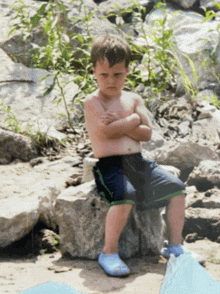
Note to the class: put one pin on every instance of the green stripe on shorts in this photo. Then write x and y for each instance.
(167, 197)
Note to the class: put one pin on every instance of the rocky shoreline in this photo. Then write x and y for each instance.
(35, 180)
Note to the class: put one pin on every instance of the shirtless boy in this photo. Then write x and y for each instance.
(117, 121)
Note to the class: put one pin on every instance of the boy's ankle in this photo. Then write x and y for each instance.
(108, 252)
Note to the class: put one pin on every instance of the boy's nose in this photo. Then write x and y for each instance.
(111, 80)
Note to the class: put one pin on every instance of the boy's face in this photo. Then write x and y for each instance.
(110, 79)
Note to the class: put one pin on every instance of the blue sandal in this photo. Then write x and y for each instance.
(113, 265)
(176, 250)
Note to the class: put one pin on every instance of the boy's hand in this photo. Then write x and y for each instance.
(109, 117)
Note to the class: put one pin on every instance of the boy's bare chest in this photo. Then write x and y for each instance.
(122, 107)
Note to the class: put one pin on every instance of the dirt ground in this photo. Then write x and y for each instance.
(87, 277)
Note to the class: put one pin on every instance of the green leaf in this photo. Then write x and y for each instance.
(59, 100)
(195, 76)
(204, 62)
(35, 20)
(12, 30)
(49, 89)
(62, 7)
(41, 10)
(80, 39)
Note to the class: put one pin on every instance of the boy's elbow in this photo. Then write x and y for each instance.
(148, 134)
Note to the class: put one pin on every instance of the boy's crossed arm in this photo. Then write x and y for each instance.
(108, 124)
(115, 127)
(144, 130)
(140, 132)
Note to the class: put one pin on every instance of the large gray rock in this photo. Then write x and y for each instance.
(22, 88)
(185, 3)
(194, 38)
(210, 5)
(156, 141)
(204, 222)
(204, 108)
(7, 13)
(205, 176)
(112, 9)
(81, 218)
(14, 146)
(15, 46)
(209, 199)
(47, 192)
(19, 214)
(205, 129)
(184, 155)
(97, 25)
(212, 198)
(189, 38)
(17, 218)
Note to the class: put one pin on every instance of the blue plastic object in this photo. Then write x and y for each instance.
(51, 288)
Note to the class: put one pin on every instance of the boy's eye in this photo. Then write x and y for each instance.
(117, 74)
(104, 75)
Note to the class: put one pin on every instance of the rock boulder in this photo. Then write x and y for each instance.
(184, 155)
(17, 217)
(205, 176)
(204, 222)
(81, 218)
(14, 146)
(19, 214)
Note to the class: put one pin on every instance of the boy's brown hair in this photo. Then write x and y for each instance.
(113, 47)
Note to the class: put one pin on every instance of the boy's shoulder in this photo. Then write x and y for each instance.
(91, 96)
(132, 96)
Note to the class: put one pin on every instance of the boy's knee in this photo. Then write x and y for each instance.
(178, 199)
(122, 208)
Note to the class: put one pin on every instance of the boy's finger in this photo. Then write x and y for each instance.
(108, 116)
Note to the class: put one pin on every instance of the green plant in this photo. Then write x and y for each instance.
(159, 62)
(25, 22)
(40, 141)
(11, 120)
(212, 53)
(43, 251)
(157, 70)
(56, 242)
(187, 83)
(213, 99)
(58, 55)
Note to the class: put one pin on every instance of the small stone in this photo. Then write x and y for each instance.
(58, 269)
(36, 161)
(190, 238)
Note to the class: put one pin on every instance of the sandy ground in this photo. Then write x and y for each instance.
(87, 277)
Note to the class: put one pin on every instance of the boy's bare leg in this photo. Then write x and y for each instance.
(175, 214)
(115, 221)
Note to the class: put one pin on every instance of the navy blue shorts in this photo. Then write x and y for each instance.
(132, 179)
